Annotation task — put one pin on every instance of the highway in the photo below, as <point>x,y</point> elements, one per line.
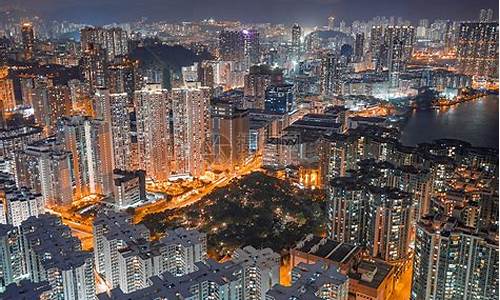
<point>195,195</point>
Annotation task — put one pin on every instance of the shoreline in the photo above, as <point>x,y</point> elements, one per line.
<point>449,121</point>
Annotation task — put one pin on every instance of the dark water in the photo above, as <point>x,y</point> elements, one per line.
<point>475,122</point>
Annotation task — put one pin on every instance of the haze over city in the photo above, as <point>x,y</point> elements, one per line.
<point>249,150</point>
<point>309,12</point>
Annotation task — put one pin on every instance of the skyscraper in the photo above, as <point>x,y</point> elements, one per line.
<point>359,44</point>
<point>50,102</point>
<point>251,46</point>
<point>120,131</point>
<point>51,167</point>
<point>51,255</point>
<point>240,45</point>
<point>229,129</point>
<point>399,41</point>
<point>389,219</point>
<point>279,99</point>
<point>346,211</point>
<point>129,188</point>
<point>28,38</point>
<point>191,134</point>
<point>375,215</point>
<point>11,256</point>
<point>261,270</point>
<point>296,39</point>
<point>126,258</point>
<point>94,67</point>
<point>331,23</point>
<point>258,79</point>
<point>333,68</point>
<point>113,40</point>
<point>231,45</point>
<point>18,204</point>
<point>454,261</point>
<point>89,141</point>
<point>7,90</point>
<point>376,43</point>
<point>486,15</point>
<point>477,52</point>
<point>124,77</point>
<point>211,280</point>
<point>153,131</point>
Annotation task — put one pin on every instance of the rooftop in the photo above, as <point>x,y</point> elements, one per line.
<point>327,248</point>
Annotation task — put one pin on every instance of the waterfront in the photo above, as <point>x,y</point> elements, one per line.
<point>475,122</point>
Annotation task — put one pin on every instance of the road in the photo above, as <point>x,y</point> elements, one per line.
<point>80,230</point>
<point>402,289</point>
<point>195,195</point>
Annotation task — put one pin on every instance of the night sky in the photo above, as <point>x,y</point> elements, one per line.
<point>308,12</point>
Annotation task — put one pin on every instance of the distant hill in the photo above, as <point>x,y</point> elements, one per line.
<point>169,59</point>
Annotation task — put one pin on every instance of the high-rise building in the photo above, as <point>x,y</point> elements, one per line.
<point>101,105</point>
<point>52,255</point>
<point>379,218</point>
<point>7,90</point>
<point>331,23</point>
<point>359,45</point>
<point>80,95</point>
<point>388,222</point>
<point>28,38</point>
<point>185,248</point>
<point>486,15</point>
<point>15,139</point>
<point>50,102</point>
<point>21,204</point>
<point>126,258</point>
<point>333,68</point>
<point>120,129</point>
<point>399,41</point>
<point>190,74</point>
<point>18,204</point>
<point>153,131</point>
<point>191,134</point>
<point>211,280</point>
<point>258,79</point>
<point>206,74</point>
<point>94,67</point>
<point>113,40</point>
<point>229,130</point>
<point>296,40</point>
<point>261,270</point>
<point>231,45</point>
<point>11,258</point>
<point>46,168</point>
<point>376,43</point>
<point>251,46</point>
<point>112,233</point>
<point>279,99</point>
<point>477,52</point>
<point>346,210</point>
<point>240,45</point>
<point>129,188</point>
<point>124,77</point>
<point>89,142</point>
<point>452,261</point>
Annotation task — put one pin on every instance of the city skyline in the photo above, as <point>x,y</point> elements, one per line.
<point>231,158</point>
<point>310,13</point>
